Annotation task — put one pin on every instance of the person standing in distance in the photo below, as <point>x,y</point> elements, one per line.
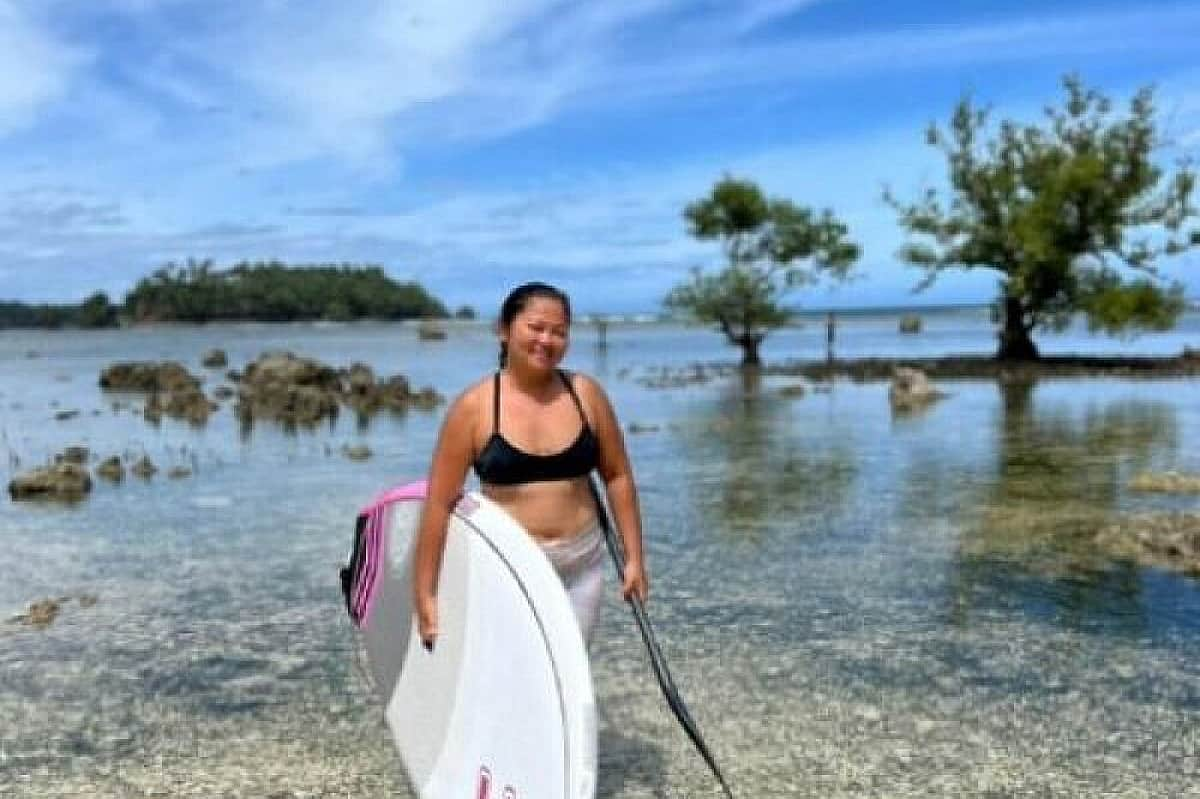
<point>534,433</point>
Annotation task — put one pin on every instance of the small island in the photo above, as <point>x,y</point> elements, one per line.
<point>269,291</point>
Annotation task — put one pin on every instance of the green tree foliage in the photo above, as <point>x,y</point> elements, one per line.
<point>95,311</point>
<point>20,314</point>
<point>1073,214</point>
<point>771,246</point>
<point>276,292</point>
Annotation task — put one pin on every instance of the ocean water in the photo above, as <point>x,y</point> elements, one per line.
<point>854,603</point>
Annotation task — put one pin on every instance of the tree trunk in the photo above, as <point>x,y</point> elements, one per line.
<point>747,341</point>
<point>1015,341</point>
<point>749,345</point>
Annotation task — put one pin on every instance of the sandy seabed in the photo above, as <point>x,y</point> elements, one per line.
<point>854,712</point>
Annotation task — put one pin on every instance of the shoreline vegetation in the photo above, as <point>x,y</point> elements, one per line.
<point>948,367</point>
<point>198,292</point>
<point>264,291</point>
<point>1186,364</point>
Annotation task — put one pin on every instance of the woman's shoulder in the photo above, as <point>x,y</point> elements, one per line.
<point>579,380</point>
<point>480,386</point>
<point>586,387</point>
<point>472,398</point>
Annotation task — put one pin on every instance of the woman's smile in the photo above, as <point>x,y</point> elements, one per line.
<point>540,333</point>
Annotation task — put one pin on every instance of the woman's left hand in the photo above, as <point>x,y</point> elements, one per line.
<point>635,583</point>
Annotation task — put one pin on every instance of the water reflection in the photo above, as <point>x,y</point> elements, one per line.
<point>293,429</point>
<point>1058,475</point>
<point>754,464</point>
<point>600,358</point>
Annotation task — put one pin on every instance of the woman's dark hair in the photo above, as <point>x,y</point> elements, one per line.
<point>518,299</point>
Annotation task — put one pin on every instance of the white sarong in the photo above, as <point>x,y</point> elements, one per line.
<point>579,561</point>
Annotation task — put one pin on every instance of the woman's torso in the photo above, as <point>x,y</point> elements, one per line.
<point>533,456</point>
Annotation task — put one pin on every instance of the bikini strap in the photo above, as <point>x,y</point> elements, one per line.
<point>566,378</point>
<point>496,403</point>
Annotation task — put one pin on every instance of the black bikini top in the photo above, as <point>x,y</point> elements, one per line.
<point>500,463</point>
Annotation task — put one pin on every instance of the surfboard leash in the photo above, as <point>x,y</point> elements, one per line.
<point>658,660</point>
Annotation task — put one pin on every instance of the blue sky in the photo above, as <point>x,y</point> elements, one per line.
<point>472,145</point>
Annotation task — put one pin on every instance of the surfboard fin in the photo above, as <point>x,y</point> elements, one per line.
<point>350,573</point>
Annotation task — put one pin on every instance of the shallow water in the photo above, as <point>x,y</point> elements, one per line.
<point>854,603</point>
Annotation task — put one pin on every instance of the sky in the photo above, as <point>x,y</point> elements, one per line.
<point>472,145</point>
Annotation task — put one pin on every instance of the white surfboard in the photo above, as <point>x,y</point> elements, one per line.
<point>502,708</point>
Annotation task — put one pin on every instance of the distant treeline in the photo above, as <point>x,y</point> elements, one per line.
<point>262,291</point>
<point>95,311</point>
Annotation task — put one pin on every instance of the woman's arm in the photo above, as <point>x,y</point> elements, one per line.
<point>617,473</point>
<point>451,458</point>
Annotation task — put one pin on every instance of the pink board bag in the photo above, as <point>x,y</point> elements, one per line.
<point>369,553</point>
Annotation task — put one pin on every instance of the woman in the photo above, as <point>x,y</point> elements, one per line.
<point>533,434</point>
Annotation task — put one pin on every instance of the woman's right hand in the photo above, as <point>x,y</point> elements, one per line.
<point>427,620</point>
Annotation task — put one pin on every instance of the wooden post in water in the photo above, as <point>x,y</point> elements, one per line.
<point>830,332</point>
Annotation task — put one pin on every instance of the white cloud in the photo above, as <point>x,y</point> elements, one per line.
<point>200,135</point>
<point>341,75</point>
<point>371,76</point>
<point>366,82</point>
<point>35,67</point>
<point>728,63</point>
<point>755,15</point>
<point>584,226</point>
<point>576,229</point>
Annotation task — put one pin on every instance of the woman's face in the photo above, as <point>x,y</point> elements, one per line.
<point>537,337</point>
